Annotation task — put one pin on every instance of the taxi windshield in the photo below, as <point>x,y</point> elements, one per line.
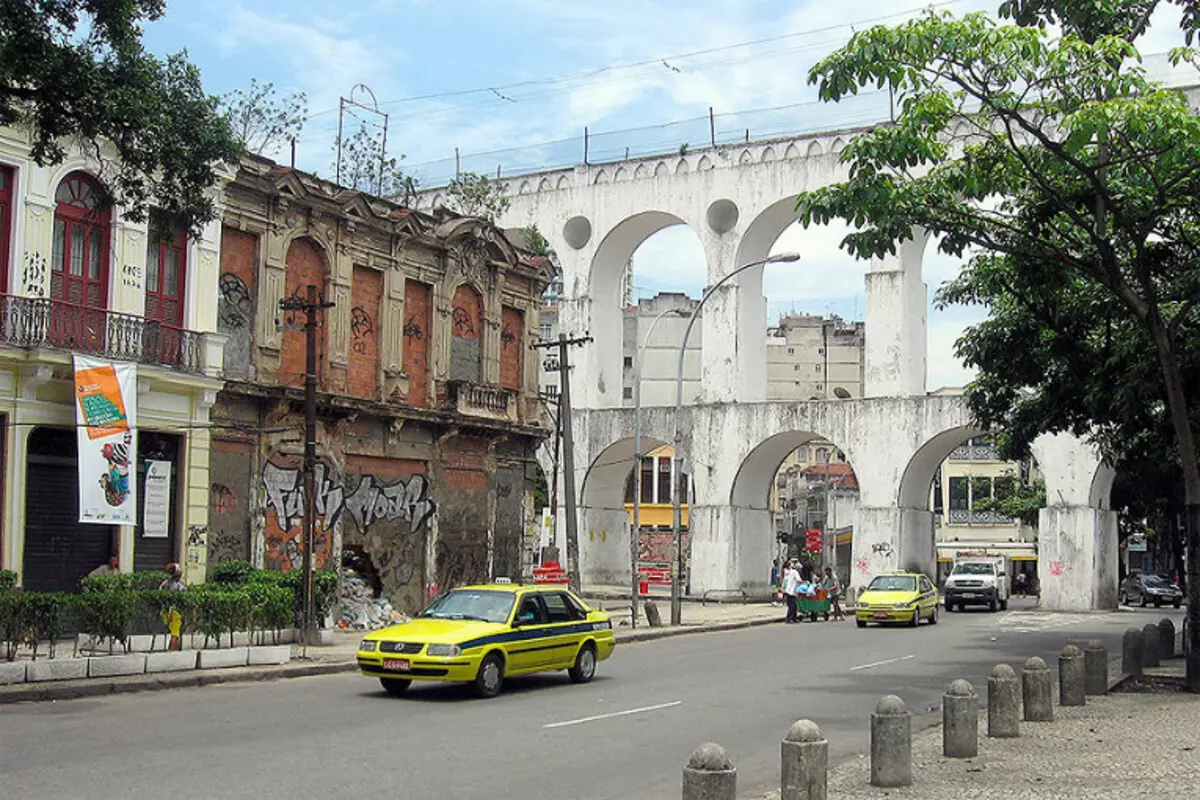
<point>893,583</point>
<point>478,604</point>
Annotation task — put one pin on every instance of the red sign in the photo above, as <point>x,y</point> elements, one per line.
<point>656,576</point>
<point>550,573</point>
<point>814,540</point>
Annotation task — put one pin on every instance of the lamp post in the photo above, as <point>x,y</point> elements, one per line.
<point>677,557</point>
<point>635,534</point>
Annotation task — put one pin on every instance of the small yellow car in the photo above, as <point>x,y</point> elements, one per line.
<point>483,634</point>
<point>898,597</point>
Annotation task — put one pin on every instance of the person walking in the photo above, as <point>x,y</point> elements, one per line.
<point>833,589</point>
<point>791,580</point>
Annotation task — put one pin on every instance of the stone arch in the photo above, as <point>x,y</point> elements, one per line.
<point>601,177</point>
<point>642,171</point>
<point>814,149</point>
<point>662,169</point>
<point>838,146</point>
<point>563,182</point>
<point>767,155</point>
<point>526,188</point>
<point>705,163</point>
<point>1100,495</point>
<point>544,185</point>
<point>621,174</point>
<point>746,157</point>
<point>752,484</point>
<point>792,151</point>
<point>681,168</point>
<point>437,201</point>
<point>913,491</point>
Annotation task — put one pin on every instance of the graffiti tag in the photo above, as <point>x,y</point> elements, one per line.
<point>369,503</point>
<point>285,495</point>
<point>882,549</point>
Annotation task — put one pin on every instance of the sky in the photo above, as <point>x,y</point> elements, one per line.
<point>513,83</point>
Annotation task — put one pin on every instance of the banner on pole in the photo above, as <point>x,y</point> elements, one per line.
<point>106,417</point>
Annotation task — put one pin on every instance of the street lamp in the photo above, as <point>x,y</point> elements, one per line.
<point>676,520</point>
<point>635,534</point>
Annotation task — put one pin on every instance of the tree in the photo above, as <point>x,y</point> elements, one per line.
<point>262,122</point>
<point>478,196</point>
<point>1073,193</point>
<point>1015,500</point>
<point>75,71</point>
<point>365,167</point>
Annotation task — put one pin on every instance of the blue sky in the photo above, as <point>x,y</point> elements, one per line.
<point>520,79</point>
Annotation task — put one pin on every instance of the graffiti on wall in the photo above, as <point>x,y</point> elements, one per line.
<point>361,328</point>
<point>370,503</point>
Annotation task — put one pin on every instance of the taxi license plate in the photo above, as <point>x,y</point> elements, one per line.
<point>397,664</point>
<point>881,614</point>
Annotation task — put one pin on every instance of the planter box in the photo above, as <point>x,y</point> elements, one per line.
<point>13,672</point>
<point>273,654</point>
<point>56,669</point>
<point>110,666</point>
<point>176,661</point>
<point>218,659</point>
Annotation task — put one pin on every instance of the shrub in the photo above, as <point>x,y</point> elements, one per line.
<point>12,616</point>
<point>43,618</point>
<point>8,580</point>
<point>234,572</point>
<point>106,609</point>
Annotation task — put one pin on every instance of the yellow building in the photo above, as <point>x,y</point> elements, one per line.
<point>656,510</point>
<point>81,278</point>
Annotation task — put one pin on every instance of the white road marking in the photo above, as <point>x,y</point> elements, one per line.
<point>641,710</point>
<point>880,663</point>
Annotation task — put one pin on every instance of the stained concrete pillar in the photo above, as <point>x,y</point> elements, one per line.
<point>896,343</point>
<point>889,539</point>
<point>733,359</point>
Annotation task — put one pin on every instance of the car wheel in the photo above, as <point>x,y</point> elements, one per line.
<point>1178,603</point>
<point>993,605</point>
<point>933,616</point>
<point>862,623</point>
<point>395,686</point>
<point>1004,605</point>
<point>916,618</point>
<point>1145,602</point>
<point>585,665</point>
<point>490,678</point>
<point>949,607</point>
<point>1158,603</point>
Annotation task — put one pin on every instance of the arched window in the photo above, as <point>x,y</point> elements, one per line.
<point>466,343</point>
<point>79,263</point>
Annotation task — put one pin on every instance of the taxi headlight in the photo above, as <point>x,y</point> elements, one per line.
<point>901,605</point>
<point>368,645</point>
<point>443,650</point>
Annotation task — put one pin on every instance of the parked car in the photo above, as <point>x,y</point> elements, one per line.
<point>1147,588</point>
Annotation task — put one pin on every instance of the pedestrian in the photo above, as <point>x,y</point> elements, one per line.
<point>791,580</point>
<point>832,587</point>
<point>775,582</point>
<point>112,567</point>
<point>172,616</point>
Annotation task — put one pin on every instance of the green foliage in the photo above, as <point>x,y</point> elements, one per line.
<point>75,72</point>
<point>366,167</point>
<point>43,618</point>
<point>106,613</point>
<point>12,612</point>
<point>476,195</point>
<point>234,572</point>
<point>1015,500</point>
<point>8,580</point>
<point>261,122</point>
<point>536,243</point>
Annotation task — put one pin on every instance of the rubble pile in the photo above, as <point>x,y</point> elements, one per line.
<point>359,608</point>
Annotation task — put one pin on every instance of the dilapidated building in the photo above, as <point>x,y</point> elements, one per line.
<point>427,390</point>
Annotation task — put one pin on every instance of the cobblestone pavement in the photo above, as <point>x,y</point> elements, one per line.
<point>1118,746</point>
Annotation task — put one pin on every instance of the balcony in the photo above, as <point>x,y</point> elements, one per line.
<point>975,452</point>
<point>38,322</point>
<point>962,516</point>
<point>483,400</point>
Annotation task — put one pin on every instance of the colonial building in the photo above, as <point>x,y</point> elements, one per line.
<point>79,277</point>
<point>427,387</point>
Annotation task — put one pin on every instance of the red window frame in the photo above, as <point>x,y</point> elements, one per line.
<point>160,301</point>
<point>79,280</point>
<point>7,176</point>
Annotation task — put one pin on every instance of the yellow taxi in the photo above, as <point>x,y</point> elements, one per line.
<point>898,597</point>
<point>483,634</point>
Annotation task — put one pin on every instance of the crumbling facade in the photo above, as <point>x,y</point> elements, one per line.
<point>427,390</point>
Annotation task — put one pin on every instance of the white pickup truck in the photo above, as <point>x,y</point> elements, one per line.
<point>980,581</point>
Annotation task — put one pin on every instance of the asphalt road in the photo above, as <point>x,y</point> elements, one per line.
<point>625,735</point>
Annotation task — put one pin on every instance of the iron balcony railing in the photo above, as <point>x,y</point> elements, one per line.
<point>41,322</point>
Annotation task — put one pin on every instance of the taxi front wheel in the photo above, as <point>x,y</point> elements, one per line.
<point>395,686</point>
<point>490,678</point>
<point>585,665</point>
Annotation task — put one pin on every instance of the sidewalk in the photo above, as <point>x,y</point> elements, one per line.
<point>1118,746</point>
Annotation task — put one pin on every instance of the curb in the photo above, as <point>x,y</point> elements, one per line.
<point>683,630</point>
<point>70,690</point>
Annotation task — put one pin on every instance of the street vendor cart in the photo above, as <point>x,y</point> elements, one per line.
<point>813,604</point>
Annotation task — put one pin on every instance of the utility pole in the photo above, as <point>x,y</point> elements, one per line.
<point>312,305</point>
<point>568,449</point>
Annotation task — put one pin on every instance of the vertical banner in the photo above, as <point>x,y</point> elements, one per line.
<point>156,506</point>
<point>106,415</point>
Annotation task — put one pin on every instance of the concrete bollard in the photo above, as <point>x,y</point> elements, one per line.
<point>652,615</point>
<point>1004,703</point>
<point>804,763</point>
<point>709,775</point>
<point>1166,639</point>
<point>891,743</point>
<point>1070,677</point>
<point>960,721</point>
<point>1150,657</point>
<point>1133,648</point>
<point>1095,668</point>
<point>1037,691</point>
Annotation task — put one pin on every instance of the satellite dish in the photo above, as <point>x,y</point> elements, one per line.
<point>841,393</point>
